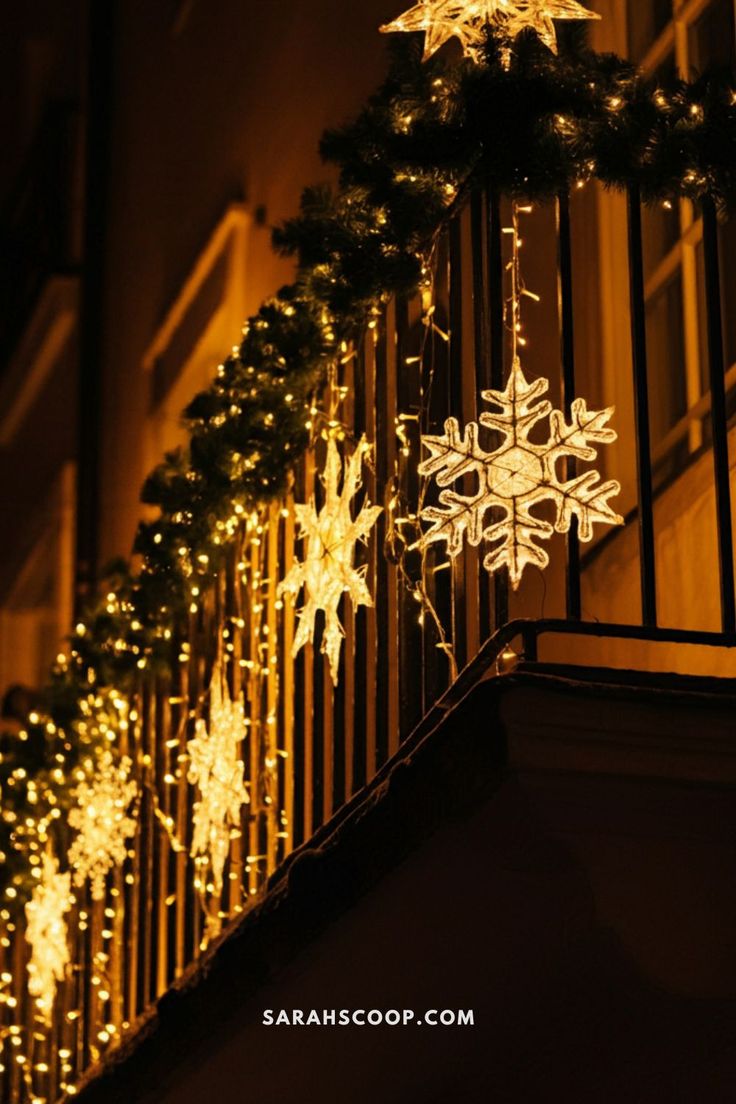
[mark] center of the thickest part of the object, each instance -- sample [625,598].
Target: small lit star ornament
[46,934]
[216,768]
[515,16]
[331,535]
[517,476]
[442,20]
[102,820]
[467,20]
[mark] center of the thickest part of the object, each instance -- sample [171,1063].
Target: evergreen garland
[432,133]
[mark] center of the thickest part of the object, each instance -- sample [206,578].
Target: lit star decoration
[46,934]
[515,16]
[467,21]
[331,535]
[442,20]
[517,476]
[102,820]
[216,768]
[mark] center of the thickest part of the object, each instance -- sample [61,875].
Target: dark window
[727,237]
[646,21]
[711,37]
[660,233]
[666,357]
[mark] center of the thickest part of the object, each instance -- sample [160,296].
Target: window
[197,331]
[36,613]
[689,35]
[646,22]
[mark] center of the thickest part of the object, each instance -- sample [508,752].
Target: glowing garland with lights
[512,116]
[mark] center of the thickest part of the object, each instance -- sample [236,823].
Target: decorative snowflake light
[46,934]
[216,768]
[102,820]
[331,535]
[517,476]
[467,20]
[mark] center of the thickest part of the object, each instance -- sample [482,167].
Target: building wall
[227,106]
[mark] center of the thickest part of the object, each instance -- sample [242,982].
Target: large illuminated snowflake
[216,768]
[467,20]
[331,535]
[516,477]
[46,934]
[102,821]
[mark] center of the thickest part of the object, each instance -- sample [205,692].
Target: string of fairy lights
[93,757]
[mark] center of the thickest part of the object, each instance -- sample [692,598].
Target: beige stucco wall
[230,108]
[687,579]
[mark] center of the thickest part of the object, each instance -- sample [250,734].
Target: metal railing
[434,628]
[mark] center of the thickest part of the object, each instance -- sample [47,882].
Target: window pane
[666,357]
[660,228]
[711,37]
[727,257]
[646,21]
[727,238]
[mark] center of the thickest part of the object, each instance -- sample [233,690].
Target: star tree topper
[327,571]
[517,476]
[467,19]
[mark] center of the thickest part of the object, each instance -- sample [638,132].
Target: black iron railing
[435,627]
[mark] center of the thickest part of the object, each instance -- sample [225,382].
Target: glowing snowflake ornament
[102,821]
[331,535]
[46,934]
[467,21]
[517,476]
[216,768]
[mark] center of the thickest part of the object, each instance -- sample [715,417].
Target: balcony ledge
[541,722]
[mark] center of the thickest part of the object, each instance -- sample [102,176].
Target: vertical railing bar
[272,702]
[455,408]
[288,686]
[375,557]
[476,578]
[162,846]
[716,369]
[311,719]
[299,832]
[641,411]
[182,822]
[329,737]
[387,705]
[567,349]
[529,643]
[482,359]
[408,401]
[496,307]
[356,770]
